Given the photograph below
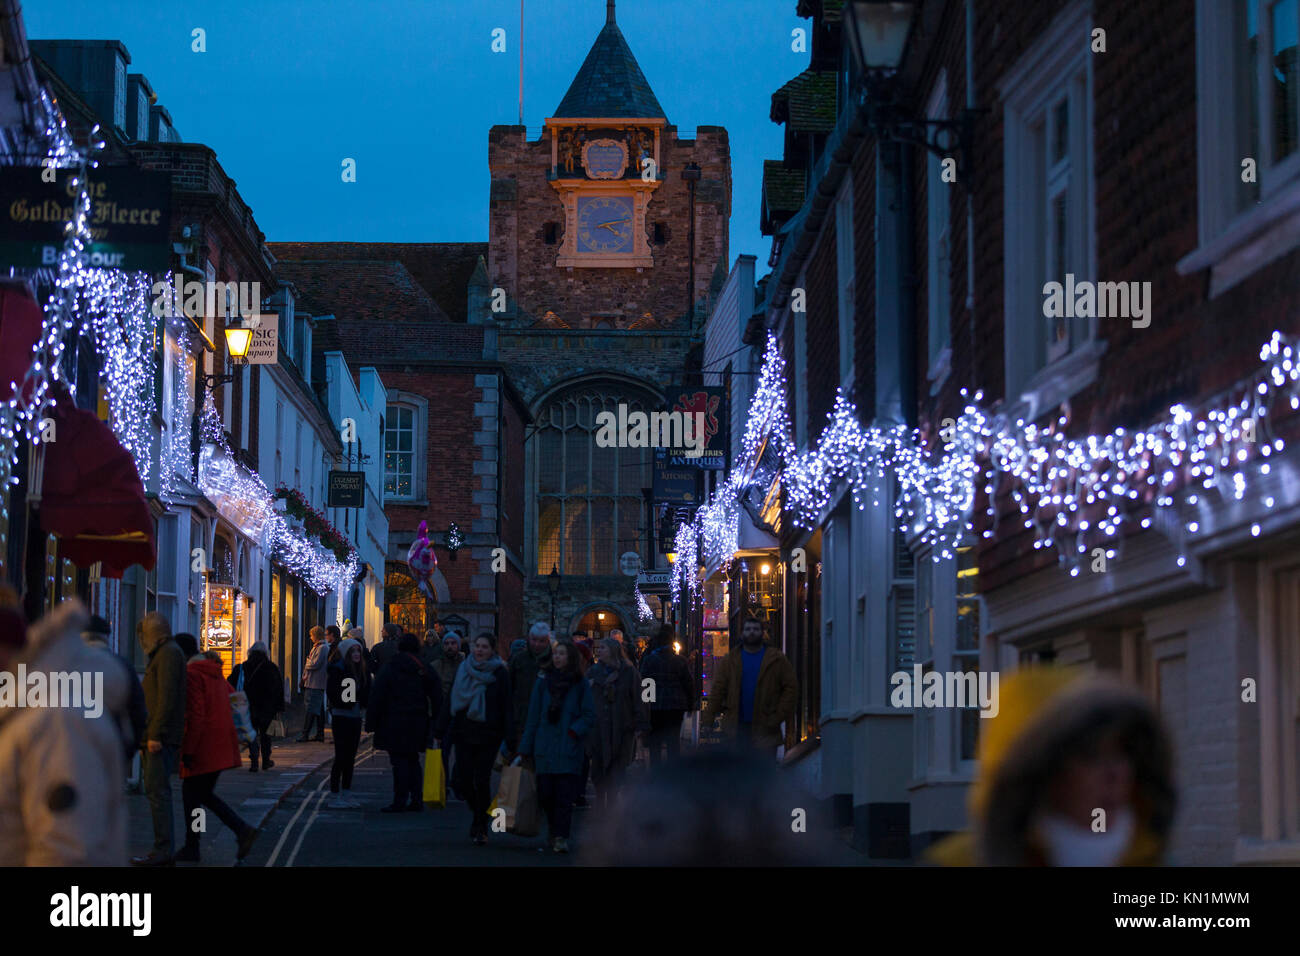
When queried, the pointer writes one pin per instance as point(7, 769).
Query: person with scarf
point(478, 717)
point(348, 692)
point(403, 696)
point(620, 716)
point(560, 717)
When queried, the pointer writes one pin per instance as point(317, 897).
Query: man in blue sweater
point(754, 691)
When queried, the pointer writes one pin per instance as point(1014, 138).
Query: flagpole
point(521, 62)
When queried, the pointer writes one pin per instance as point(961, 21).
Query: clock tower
point(595, 292)
point(590, 222)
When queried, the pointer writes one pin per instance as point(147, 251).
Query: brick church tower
point(593, 300)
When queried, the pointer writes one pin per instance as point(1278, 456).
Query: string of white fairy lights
point(21, 414)
point(113, 308)
point(1074, 494)
point(221, 476)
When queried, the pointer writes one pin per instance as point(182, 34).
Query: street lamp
point(239, 338)
point(878, 33)
point(553, 582)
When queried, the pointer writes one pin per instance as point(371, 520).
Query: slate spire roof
point(610, 82)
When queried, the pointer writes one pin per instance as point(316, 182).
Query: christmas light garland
point(221, 477)
point(174, 453)
point(1075, 494)
point(21, 414)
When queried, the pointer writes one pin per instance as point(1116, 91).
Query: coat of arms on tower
point(604, 159)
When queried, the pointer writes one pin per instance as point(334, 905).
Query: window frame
point(419, 408)
point(625, 491)
point(1059, 61)
point(1237, 234)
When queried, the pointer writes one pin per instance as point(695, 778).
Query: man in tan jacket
point(753, 691)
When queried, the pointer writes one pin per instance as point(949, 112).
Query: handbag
point(243, 718)
point(517, 796)
point(435, 781)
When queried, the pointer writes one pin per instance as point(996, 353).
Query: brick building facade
point(515, 345)
point(454, 428)
point(1126, 155)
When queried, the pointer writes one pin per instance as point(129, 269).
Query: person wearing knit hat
point(348, 691)
point(1067, 750)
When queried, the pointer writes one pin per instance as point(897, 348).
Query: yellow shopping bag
point(435, 781)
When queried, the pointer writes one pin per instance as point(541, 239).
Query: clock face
point(605, 224)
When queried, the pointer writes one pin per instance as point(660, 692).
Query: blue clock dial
point(605, 224)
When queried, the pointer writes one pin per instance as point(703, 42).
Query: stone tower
point(591, 299)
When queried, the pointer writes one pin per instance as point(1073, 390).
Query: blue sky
point(409, 88)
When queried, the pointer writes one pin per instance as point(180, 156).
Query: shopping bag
point(243, 718)
point(276, 729)
point(517, 796)
point(435, 781)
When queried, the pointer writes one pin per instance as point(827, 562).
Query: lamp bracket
point(891, 121)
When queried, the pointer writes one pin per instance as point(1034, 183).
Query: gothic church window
point(589, 501)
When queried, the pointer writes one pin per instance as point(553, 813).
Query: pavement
point(291, 804)
point(254, 796)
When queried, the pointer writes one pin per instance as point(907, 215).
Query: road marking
point(289, 828)
point(305, 827)
point(285, 835)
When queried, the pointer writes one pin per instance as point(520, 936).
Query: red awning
point(92, 497)
point(20, 328)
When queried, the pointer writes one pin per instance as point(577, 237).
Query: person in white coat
point(61, 763)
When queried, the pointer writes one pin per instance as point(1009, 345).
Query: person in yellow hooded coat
point(1075, 770)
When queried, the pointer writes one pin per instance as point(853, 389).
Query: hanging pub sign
point(264, 346)
point(675, 484)
point(129, 217)
point(347, 489)
point(704, 405)
point(655, 582)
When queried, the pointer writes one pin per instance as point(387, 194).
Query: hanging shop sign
point(629, 563)
point(706, 405)
point(347, 489)
point(654, 582)
point(129, 217)
point(673, 483)
point(264, 347)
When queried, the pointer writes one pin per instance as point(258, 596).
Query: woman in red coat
point(210, 746)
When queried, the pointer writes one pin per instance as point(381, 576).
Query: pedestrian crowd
point(569, 712)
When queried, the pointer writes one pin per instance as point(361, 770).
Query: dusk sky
point(409, 88)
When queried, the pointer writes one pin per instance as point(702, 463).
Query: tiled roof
point(783, 190)
point(443, 269)
point(382, 315)
point(610, 82)
point(807, 103)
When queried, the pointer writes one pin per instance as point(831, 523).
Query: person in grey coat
point(621, 714)
point(164, 697)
